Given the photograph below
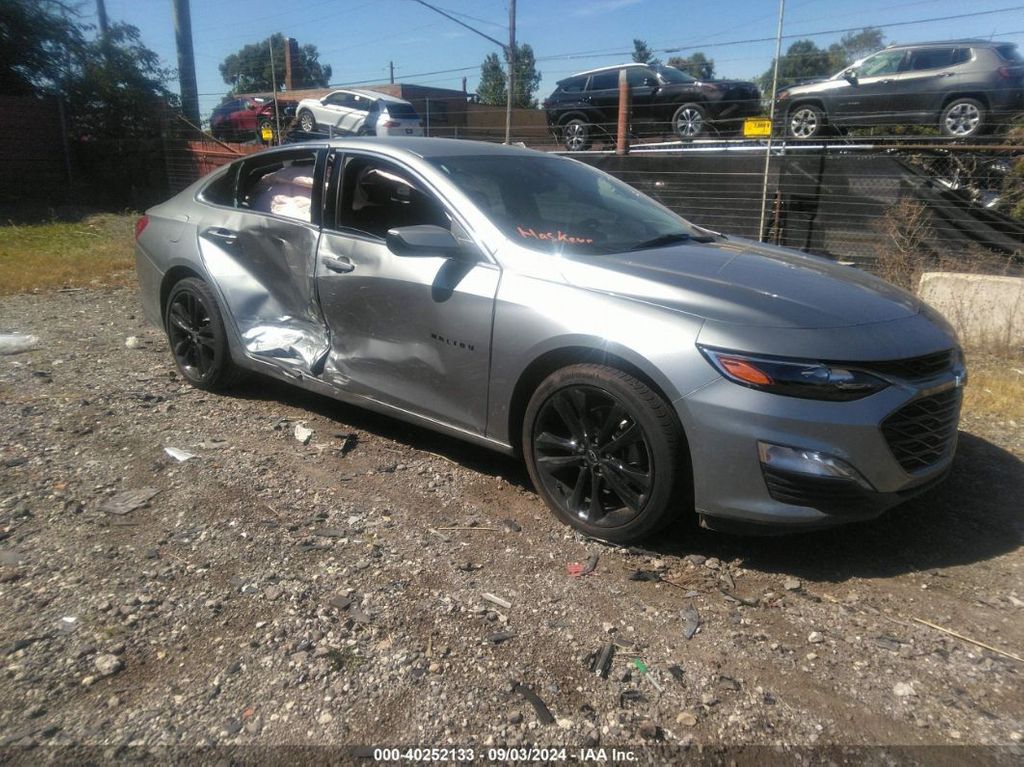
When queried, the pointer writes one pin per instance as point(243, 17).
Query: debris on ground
point(178, 454)
point(129, 500)
point(504, 603)
point(15, 343)
point(303, 434)
point(691, 621)
point(543, 712)
point(603, 660)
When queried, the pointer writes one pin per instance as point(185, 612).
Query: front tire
point(307, 122)
point(604, 452)
point(199, 342)
point(576, 135)
point(690, 121)
point(805, 121)
point(962, 118)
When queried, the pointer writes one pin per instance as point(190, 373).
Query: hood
point(744, 283)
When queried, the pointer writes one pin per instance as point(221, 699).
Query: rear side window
point(931, 58)
point(1009, 53)
point(398, 109)
point(281, 183)
point(220, 190)
point(572, 85)
point(604, 81)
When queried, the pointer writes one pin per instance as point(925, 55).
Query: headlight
point(794, 378)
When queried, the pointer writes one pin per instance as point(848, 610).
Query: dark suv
point(961, 86)
point(664, 100)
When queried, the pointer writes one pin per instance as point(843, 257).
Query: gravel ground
point(336, 592)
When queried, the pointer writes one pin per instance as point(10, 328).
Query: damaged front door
point(262, 258)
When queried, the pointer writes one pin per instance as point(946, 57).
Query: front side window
point(673, 75)
point(884, 63)
point(281, 183)
point(377, 195)
point(555, 205)
point(641, 78)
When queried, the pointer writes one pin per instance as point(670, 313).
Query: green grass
point(95, 251)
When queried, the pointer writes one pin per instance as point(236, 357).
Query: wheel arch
point(553, 359)
point(808, 101)
point(978, 96)
point(172, 277)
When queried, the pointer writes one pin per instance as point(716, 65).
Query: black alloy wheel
point(196, 334)
point(602, 450)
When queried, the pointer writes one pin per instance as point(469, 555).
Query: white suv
point(359, 113)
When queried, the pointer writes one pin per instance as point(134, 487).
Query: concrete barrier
point(986, 310)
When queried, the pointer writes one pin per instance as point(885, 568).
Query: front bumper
point(725, 422)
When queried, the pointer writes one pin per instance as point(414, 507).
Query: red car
point(243, 118)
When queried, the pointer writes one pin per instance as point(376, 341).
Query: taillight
point(140, 226)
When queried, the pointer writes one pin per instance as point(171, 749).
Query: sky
point(359, 38)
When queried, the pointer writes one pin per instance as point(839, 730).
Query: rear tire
point(199, 342)
point(307, 122)
point(605, 452)
point(963, 118)
point(576, 135)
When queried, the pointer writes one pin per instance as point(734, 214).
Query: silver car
point(646, 370)
point(359, 113)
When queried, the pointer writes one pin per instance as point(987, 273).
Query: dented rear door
point(263, 265)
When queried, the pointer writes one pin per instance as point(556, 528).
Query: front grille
point(923, 432)
point(915, 367)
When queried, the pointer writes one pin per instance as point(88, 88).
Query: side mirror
point(851, 76)
point(423, 240)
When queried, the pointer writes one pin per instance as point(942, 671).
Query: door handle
point(339, 264)
point(227, 236)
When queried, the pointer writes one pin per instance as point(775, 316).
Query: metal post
point(391, 70)
point(511, 69)
point(273, 85)
point(771, 119)
point(622, 141)
point(426, 131)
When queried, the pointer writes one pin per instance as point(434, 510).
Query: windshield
point(555, 205)
point(673, 75)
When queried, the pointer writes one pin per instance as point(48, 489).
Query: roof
point(371, 94)
point(964, 42)
point(427, 148)
point(632, 64)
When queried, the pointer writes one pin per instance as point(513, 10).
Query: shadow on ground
point(975, 515)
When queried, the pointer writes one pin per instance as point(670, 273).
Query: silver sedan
point(646, 370)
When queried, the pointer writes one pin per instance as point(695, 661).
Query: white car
point(359, 113)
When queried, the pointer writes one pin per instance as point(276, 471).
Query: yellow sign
point(266, 133)
point(757, 126)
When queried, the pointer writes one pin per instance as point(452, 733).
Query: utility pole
point(186, 61)
point(101, 12)
point(273, 85)
point(509, 51)
point(771, 119)
point(391, 71)
point(511, 69)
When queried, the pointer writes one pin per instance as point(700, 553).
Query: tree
point(116, 87)
point(697, 65)
point(37, 40)
point(853, 46)
point(249, 69)
point(803, 60)
point(493, 86)
point(642, 54)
